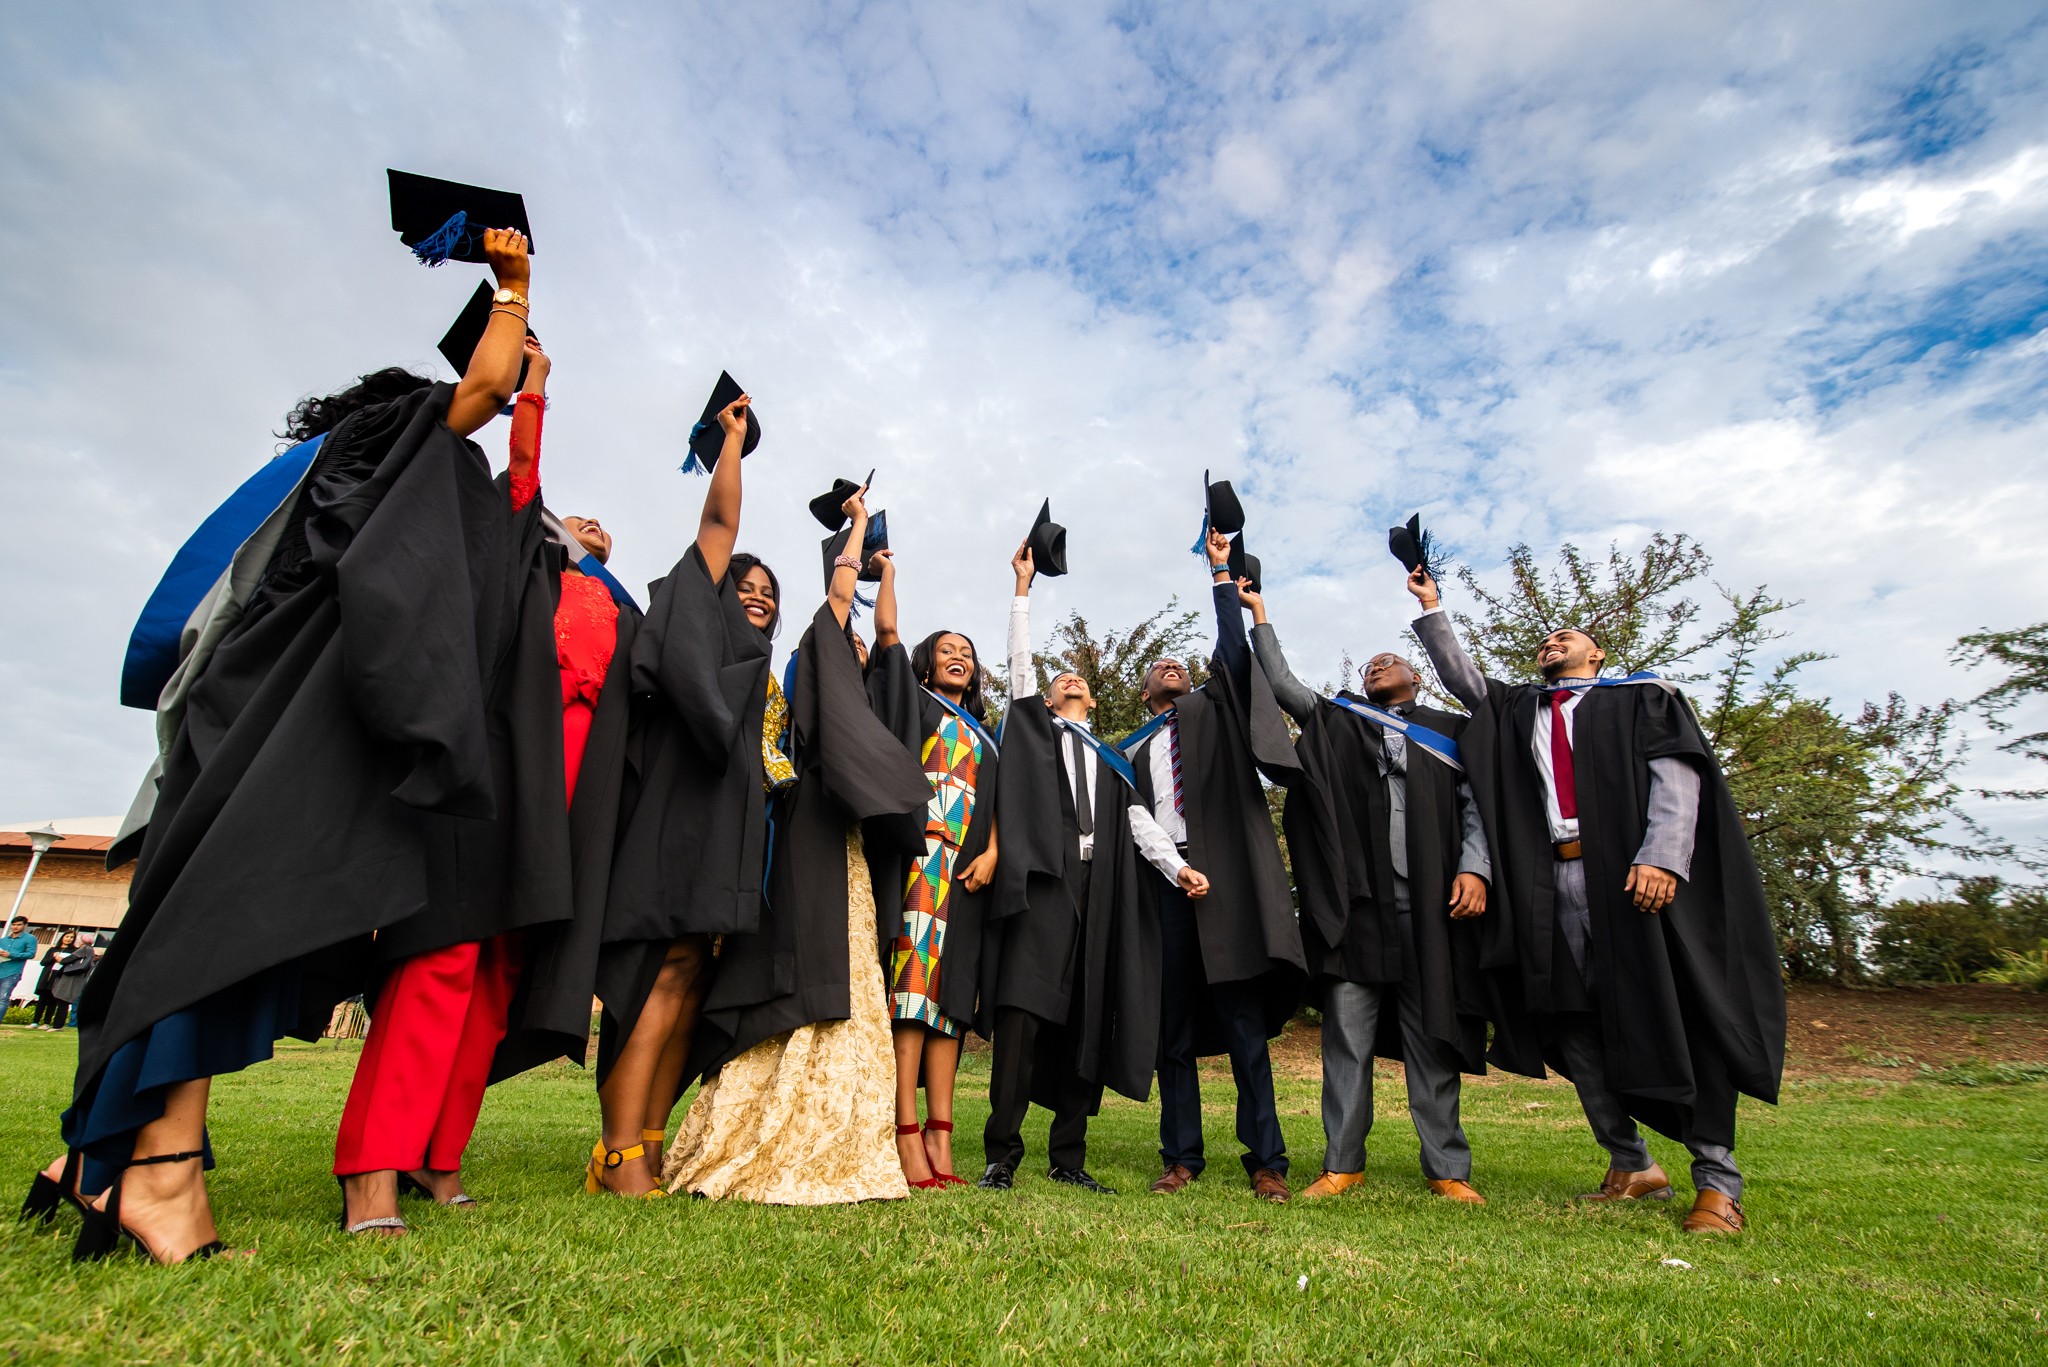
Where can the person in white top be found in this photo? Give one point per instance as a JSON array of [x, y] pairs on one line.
[[1070, 988]]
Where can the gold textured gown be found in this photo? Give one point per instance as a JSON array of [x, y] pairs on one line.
[[806, 1118]]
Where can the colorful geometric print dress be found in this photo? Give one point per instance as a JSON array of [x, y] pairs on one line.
[[952, 761]]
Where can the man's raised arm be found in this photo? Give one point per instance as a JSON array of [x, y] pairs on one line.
[[1453, 665]]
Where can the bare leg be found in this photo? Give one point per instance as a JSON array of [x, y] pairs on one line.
[[164, 1204], [629, 1086], [941, 1064], [910, 1152], [688, 963]]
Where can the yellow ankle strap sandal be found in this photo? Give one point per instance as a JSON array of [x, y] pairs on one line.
[[602, 1158]]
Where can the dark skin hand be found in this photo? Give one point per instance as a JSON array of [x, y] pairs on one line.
[[1468, 897], [1650, 887]]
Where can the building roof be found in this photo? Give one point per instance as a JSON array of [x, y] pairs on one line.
[[81, 834]]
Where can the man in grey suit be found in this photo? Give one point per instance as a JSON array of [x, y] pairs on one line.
[[1391, 859], [1646, 949]]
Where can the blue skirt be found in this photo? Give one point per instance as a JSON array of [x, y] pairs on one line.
[[222, 1034]]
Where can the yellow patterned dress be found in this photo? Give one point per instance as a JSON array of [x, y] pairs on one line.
[[807, 1118]]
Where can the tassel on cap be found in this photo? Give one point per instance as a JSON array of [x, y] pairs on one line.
[[444, 242]]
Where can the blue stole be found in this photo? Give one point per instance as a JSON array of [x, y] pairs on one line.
[[1118, 765], [593, 567], [1129, 744], [1641, 676], [964, 715], [1434, 742], [153, 646]]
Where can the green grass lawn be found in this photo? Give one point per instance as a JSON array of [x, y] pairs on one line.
[[1898, 1222]]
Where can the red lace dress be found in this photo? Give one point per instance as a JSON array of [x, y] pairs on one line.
[[586, 620]]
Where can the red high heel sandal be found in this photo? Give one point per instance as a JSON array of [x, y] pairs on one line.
[[943, 1178], [928, 1183]]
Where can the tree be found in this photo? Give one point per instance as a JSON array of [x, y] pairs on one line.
[[1835, 804], [2023, 652], [1115, 662]]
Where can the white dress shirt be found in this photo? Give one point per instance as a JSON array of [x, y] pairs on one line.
[[1156, 845], [1562, 827]]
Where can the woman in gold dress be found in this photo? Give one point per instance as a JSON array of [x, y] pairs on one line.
[[799, 1105]]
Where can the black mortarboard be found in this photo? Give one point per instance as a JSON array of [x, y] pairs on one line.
[[1048, 543], [460, 342], [877, 539], [827, 507], [1243, 564], [1226, 514], [1413, 547], [442, 220], [707, 438]]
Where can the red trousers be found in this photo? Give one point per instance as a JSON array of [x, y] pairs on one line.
[[420, 1082]]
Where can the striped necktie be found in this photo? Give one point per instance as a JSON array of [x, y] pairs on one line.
[[1180, 801]]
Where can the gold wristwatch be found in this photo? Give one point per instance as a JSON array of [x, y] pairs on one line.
[[511, 297]]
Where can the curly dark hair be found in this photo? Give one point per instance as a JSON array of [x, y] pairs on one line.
[[314, 415], [736, 569], [924, 660]]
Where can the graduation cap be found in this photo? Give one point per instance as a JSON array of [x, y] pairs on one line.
[[1225, 513], [442, 220], [1048, 543], [1414, 547], [1243, 564], [707, 438], [829, 506], [877, 539], [466, 333]]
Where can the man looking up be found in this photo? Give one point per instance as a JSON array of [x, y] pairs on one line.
[[1070, 983], [1646, 950], [1390, 857], [1231, 962]]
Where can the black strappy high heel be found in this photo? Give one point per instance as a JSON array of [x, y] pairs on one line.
[[104, 1232], [46, 1197]]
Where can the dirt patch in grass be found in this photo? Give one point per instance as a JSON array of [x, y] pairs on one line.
[[1877, 1032]]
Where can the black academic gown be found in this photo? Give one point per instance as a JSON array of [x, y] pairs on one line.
[[693, 827], [1691, 1000], [345, 707], [1337, 822], [792, 971], [1230, 733], [550, 1011], [1089, 965], [912, 714]]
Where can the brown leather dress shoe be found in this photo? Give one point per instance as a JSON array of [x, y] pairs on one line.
[[1714, 1212], [1456, 1189], [1269, 1185], [1648, 1185], [1331, 1184], [1172, 1180]]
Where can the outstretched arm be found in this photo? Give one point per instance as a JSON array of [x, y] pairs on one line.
[[718, 530], [527, 411], [846, 572], [493, 372], [1292, 694], [1023, 673], [886, 633], [1231, 646], [1452, 664]]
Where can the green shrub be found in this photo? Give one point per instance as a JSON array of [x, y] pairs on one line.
[[2020, 968], [1957, 940]]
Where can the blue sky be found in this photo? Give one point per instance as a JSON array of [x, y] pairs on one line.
[[1776, 276]]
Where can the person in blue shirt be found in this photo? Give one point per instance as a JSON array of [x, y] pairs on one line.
[[17, 947]]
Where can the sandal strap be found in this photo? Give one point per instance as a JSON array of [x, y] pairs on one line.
[[166, 1158], [653, 1136], [615, 1158], [911, 1128], [943, 1126], [378, 1222]]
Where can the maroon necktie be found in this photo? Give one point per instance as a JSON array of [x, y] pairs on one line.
[[1561, 775]]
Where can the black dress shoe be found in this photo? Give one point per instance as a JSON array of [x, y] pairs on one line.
[[999, 1177], [1078, 1177]]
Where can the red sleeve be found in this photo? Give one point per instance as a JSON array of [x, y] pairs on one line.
[[526, 415]]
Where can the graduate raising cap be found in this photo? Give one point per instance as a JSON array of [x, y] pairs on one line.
[[444, 220]]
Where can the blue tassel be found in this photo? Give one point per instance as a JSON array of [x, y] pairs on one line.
[[859, 602], [436, 250], [690, 465], [1201, 546]]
